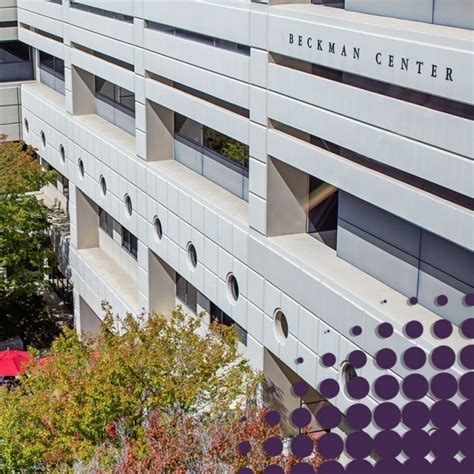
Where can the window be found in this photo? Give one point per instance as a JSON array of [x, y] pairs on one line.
[[232, 288], [322, 211], [62, 153], [103, 185], [157, 228], [100, 11], [16, 62], [52, 71], [117, 96], [81, 167], [217, 315], [43, 139], [281, 326], [106, 222], [190, 35], [186, 293], [128, 205], [329, 3], [192, 256], [129, 243]]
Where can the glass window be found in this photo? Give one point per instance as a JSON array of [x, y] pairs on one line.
[[106, 222], [186, 293], [220, 317], [129, 243], [16, 62]]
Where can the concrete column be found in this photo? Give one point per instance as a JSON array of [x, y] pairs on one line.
[[87, 222], [161, 285], [159, 132], [287, 195], [88, 322], [83, 92]]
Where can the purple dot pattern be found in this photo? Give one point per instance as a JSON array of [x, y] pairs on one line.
[[442, 429]]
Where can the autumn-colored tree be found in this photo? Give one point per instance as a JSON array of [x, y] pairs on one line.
[[68, 404]]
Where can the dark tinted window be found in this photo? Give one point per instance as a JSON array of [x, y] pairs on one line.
[[16, 63], [186, 293]]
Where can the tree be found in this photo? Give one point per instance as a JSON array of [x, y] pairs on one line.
[[68, 403], [25, 252]]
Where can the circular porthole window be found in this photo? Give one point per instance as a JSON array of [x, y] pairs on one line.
[[27, 126], [103, 185], [232, 288], [81, 167], [348, 372], [192, 256], [128, 205], [43, 139], [62, 153], [281, 326], [157, 229]]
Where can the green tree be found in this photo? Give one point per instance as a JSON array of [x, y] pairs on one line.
[[25, 251], [68, 403]]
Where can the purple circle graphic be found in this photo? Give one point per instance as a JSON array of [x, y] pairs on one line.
[[415, 415], [358, 387], [414, 358], [329, 417], [413, 300], [299, 360], [445, 443], [389, 465], [328, 359], [442, 328], [443, 386], [441, 300], [358, 466], [387, 444], [359, 445], [418, 465], [273, 469], [416, 443], [386, 358], [469, 299], [301, 417], [272, 418], [414, 329], [359, 415], [467, 356], [245, 447], [330, 445], [300, 388], [443, 357], [385, 330], [273, 446], [271, 389], [386, 387], [331, 467], [466, 385], [467, 327], [356, 330], [387, 415], [444, 414], [465, 442], [302, 468], [466, 413], [415, 386], [357, 359], [302, 446], [245, 470], [329, 388]]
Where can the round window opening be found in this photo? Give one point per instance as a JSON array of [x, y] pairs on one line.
[[81, 167], [192, 256], [232, 288], [27, 126], [158, 230], [103, 185], [128, 205], [348, 372], [62, 153], [281, 326], [43, 139]]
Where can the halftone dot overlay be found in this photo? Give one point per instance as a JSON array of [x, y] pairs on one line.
[[413, 424]]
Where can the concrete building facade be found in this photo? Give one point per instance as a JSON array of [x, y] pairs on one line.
[[299, 170]]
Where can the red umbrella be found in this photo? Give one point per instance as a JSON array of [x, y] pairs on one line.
[[11, 362]]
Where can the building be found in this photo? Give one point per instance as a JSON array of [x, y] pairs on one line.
[[300, 169]]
